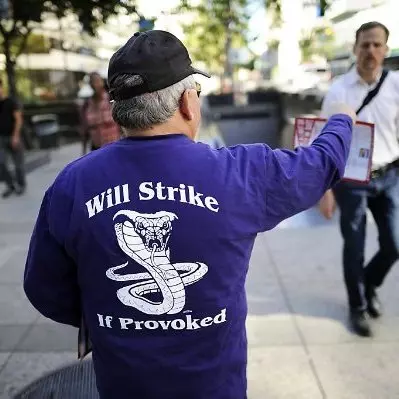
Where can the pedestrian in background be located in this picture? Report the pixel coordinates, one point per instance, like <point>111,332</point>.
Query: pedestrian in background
<point>98,127</point>
<point>11,145</point>
<point>374,92</point>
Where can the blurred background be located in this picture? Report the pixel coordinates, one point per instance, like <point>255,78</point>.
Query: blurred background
<point>252,48</point>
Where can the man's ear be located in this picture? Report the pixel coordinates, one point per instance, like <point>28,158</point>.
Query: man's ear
<point>185,105</point>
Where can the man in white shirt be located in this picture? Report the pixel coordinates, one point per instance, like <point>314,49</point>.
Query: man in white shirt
<point>381,195</point>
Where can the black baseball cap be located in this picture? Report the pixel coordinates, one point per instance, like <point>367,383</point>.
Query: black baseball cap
<point>159,57</point>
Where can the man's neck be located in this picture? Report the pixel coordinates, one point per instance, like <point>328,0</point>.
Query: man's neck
<point>170,127</point>
<point>369,77</point>
<point>155,131</point>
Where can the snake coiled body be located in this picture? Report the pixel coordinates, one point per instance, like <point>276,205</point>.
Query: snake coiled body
<point>144,238</point>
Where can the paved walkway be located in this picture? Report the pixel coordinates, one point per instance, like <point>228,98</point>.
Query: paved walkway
<point>299,343</point>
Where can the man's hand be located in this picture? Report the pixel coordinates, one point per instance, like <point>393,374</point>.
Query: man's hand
<point>342,108</point>
<point>15,142</point>
<point>16,136</point>
<point>327,204</point>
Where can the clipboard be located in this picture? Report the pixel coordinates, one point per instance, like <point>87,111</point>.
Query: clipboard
<point>358,166</point>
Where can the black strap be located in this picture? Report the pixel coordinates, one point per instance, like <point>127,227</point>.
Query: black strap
<point>372,93</point>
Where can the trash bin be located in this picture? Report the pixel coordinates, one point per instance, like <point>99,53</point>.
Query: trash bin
<point>46,129</point>
<point>220,99</point>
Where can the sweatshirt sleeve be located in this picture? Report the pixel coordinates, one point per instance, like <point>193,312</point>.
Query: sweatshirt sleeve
<point>50,278</point>
<point>296,180</point>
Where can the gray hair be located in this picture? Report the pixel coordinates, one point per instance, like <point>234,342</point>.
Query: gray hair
<point>149,109</point>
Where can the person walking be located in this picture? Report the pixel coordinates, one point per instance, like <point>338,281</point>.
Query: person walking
<point>11,145</point>
<point>98,126</point>
<point>374,92</point>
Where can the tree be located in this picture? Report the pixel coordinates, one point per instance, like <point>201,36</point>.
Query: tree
<point>273,44</point>
<point>217,26</point>
<point>274,8</point>
<point>324,5</point>
<point>18,21</point>
<point>320,41</point>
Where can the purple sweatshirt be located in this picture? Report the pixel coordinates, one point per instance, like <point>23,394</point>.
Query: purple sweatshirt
<point>149,239</point>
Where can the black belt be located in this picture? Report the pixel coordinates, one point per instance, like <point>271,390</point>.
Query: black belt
<point>384,169</point>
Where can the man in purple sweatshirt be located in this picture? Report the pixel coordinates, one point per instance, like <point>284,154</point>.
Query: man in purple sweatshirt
<point>149,238</point>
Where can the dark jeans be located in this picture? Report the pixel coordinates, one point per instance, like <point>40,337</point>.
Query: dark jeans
<point>381,196</point>
<point>17,157</point>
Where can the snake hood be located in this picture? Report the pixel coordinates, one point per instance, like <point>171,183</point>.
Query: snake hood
<point>153,229</point>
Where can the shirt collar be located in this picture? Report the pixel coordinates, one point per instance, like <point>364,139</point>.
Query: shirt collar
<point>354,77</point>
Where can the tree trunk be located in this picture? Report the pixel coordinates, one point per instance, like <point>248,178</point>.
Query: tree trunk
<point>10,68</point>
<point>228,68</point>
<point>12,86</point>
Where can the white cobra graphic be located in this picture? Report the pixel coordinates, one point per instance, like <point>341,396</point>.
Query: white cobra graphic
<point>144,238</point>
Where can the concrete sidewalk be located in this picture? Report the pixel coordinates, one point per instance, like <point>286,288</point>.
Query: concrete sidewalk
<point>300,346</point>
<point>34,159</point>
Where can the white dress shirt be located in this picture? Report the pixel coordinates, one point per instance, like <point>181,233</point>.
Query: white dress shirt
<point>383,110</point>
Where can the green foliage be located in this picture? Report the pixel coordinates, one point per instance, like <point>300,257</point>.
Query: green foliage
<point>216,27</point>
<point>324,5</point>
<point>16,29</point>
<point>250,65</point>
<point>320,41</point>
<point>91,13</point>
<point>35,44</point>
<point>273,44</point>
<point>27,10</point>
<point>274,8</point>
